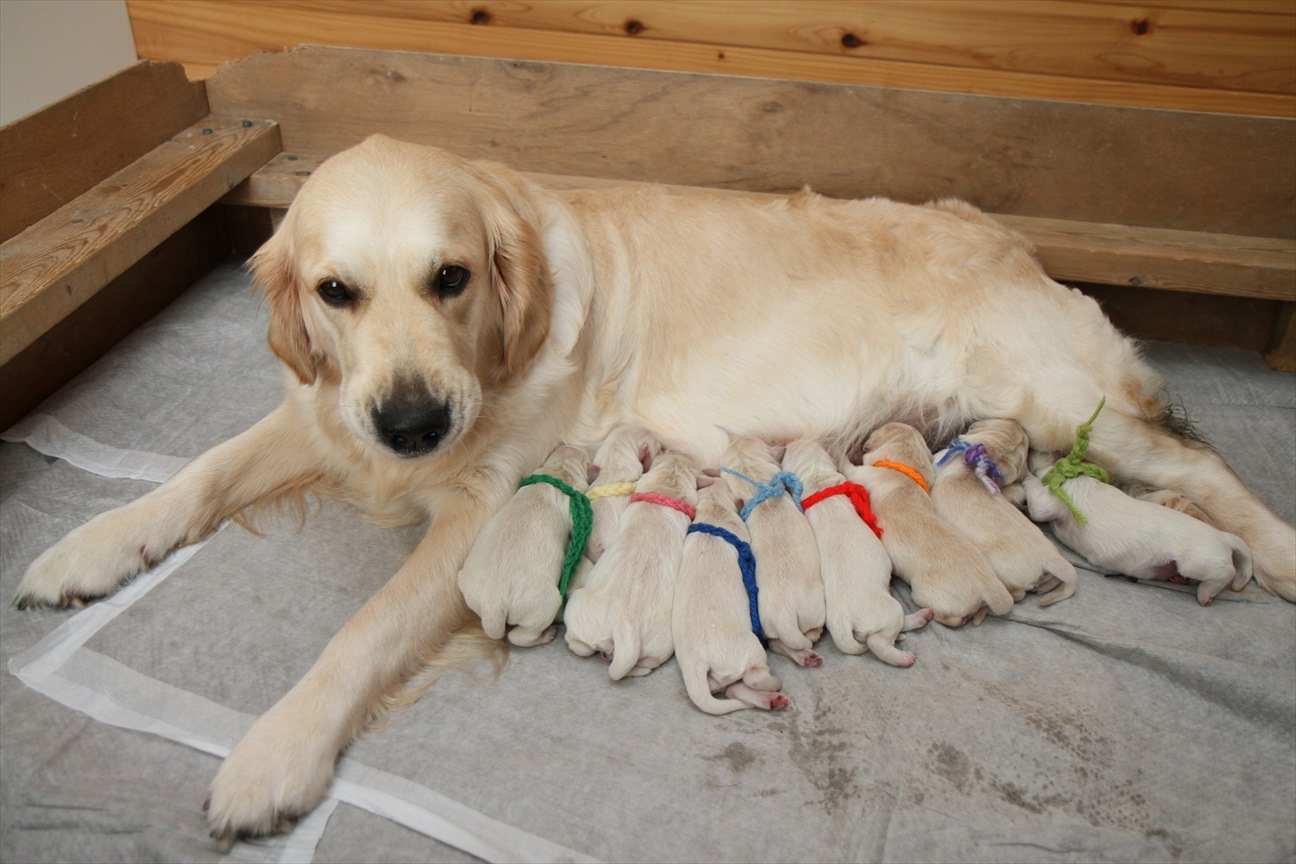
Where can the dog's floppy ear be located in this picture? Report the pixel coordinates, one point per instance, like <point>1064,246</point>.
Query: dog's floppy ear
<point>520,278</point>
<point>273,273</point>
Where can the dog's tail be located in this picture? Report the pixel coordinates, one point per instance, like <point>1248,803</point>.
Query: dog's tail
<point>494,621</point>
<point>843,633</point>
<point>1241,562</point>
<point>626,646</point>
<point>1063,571</point>
<point>699,690</point>
<point>999,598</point>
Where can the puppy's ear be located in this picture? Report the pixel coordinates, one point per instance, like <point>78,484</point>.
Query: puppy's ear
<point>520,278</point>
<point>705,480</point>
<point>646,457</point>
<point>276,277</point>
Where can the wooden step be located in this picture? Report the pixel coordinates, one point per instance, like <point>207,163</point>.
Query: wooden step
<point>53,266</point>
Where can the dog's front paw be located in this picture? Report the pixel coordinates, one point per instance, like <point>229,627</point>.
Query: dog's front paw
<point>277,773</point>
<point>87,564</point>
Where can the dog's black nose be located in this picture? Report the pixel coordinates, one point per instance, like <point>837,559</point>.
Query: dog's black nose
<point>412,421</point>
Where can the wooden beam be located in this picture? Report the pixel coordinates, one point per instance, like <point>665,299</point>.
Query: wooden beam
<point>57,264</point>
<point>112,314</point>
<point>92,133</point>
<point>1199,262</point>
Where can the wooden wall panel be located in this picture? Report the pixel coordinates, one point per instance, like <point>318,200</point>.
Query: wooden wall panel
<point>98,130</point>
<point>1231,48</point>
<point>1163,169</point>
<point>1210,56</point>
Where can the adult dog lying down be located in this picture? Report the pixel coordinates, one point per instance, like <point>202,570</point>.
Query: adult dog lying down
<point>445,323</point>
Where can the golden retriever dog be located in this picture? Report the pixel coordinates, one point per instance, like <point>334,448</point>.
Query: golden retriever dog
<point>444,323</point>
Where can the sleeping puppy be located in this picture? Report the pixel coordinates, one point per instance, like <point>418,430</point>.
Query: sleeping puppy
<point>791,592</point>
<point>624,609</point>
<point>512,572</point>
<point>968,497</point>
<point>856,572</point>
<point>1137,538</point>
<point>944,569</point>
<point>620,461</point>
<point>712,619</point>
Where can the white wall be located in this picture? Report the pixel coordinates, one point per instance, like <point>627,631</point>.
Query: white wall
<point>51,48</point>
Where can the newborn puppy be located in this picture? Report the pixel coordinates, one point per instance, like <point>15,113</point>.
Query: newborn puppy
<point>712,618</point>
<point>512,572</point>
<point>944,569</point>
<point>791,592</point>
<point>1137,538</point>
<point>967,494</point>
<point>618,465</point>
<point>861,613</point>
<point>624,609</point>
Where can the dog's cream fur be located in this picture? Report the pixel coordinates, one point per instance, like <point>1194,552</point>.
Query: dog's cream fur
<point>587,310</point>
<point>623,458</point>
<point>791,592</point>
<point>711,620</point>
<point>946,572</point>
<point>512,572</point>
<point>1142,539</point>
<point>624,609</point>
<point>862,614</point>
<point>1021,556</point>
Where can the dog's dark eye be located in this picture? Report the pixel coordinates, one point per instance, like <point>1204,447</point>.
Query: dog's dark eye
<point>452,280</point>
<point>334,293</point>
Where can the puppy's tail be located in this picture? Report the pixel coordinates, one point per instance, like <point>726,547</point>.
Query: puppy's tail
<point>998,598</point>
<point>699,690</point>
<point>494,622</point>
<point>1062,570</point>
<point>626,646</point>
<point>843,634</point>
<point>1241,563</point>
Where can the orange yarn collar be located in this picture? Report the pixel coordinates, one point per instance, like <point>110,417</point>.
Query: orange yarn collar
<point>911,473</point>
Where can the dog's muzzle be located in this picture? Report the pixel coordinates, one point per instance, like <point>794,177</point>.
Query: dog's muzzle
<point>411,421</point>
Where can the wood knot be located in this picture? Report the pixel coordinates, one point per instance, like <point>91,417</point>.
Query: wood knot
<point>1141,26</point>
<point>850,40</point>
<point>634,27</point>
<point>480,16</point>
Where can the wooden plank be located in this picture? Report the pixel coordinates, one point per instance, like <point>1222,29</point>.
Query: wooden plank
<point>204,35</point>
<point>89,135</point>
<point>60,262</point>
<point>1199,319</point>
<point>1224,49</point>
<point>1281,351</point>
<point>1256,267</point>
<point>1086,163</point>
<point>110,315</point>
<point>1260,267</point>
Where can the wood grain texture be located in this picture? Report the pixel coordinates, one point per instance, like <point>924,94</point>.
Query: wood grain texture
<point>1231,49</point>
<point>1281,350</point>
<point>1086,163</point>
<point>97,130</point>
<point>204,34</point>
<point>1254,267</point>
<point>111,314</point>
<point>57,264</point>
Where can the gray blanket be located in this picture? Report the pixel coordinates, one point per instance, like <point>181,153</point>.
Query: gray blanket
<point>1127,723</point>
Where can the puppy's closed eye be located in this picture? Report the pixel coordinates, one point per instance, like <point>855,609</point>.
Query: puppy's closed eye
<point>451,281</point>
